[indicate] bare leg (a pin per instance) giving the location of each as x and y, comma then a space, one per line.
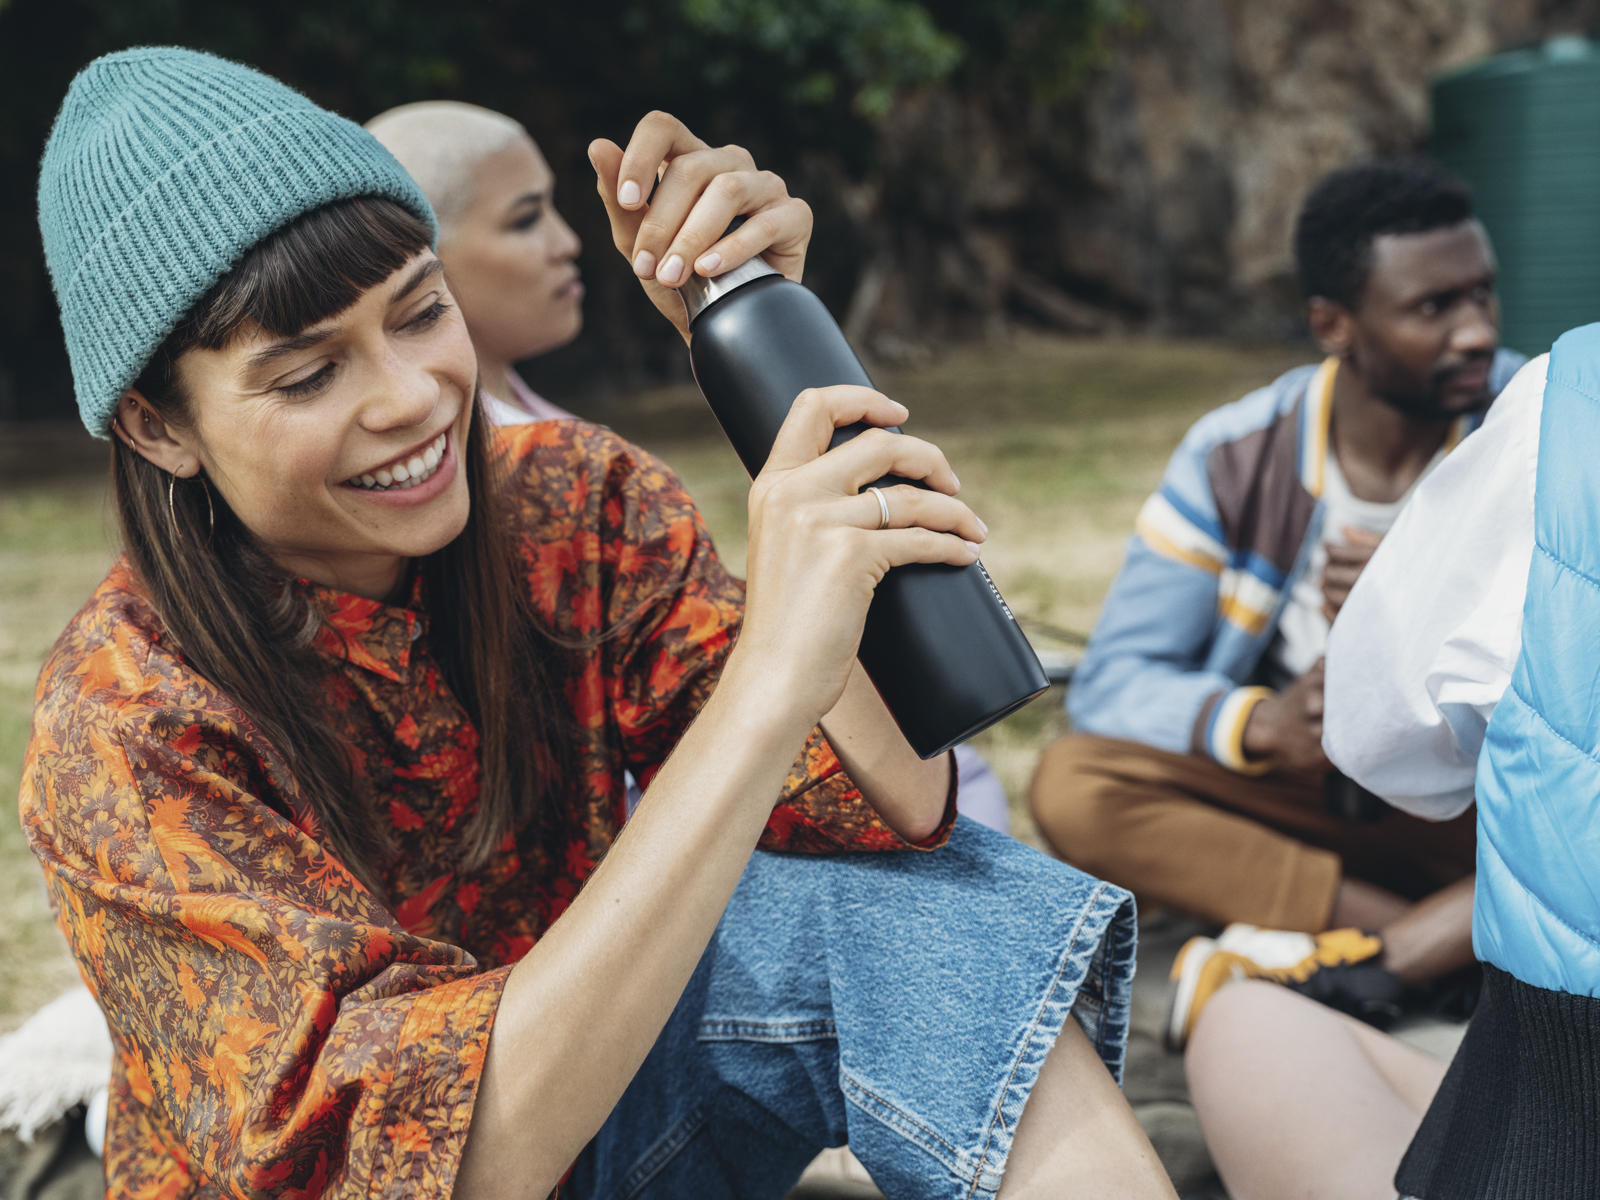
1433, 937
1362, 905
1298, 1100
1077, 1136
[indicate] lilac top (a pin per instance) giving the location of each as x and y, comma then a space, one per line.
523, 406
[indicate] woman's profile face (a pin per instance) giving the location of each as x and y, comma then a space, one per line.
512, 259
340, 447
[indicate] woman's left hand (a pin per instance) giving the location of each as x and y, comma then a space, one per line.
698, 191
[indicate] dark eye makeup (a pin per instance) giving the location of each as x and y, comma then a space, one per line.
313, 383
428, 316
308, 385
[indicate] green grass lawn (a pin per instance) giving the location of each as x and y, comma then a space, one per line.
1056, 442
53, 551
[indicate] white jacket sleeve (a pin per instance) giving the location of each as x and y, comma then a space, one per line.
1425, 645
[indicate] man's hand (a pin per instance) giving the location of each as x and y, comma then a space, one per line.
1287, 727
1345, 564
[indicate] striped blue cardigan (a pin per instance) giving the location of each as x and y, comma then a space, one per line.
1209, 568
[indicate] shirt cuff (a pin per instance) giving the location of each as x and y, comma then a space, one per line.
1223, 735
822, 812
415, 1145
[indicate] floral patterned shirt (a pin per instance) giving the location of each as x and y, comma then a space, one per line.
279, 1031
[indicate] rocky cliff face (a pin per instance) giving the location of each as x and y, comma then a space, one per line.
1161, 196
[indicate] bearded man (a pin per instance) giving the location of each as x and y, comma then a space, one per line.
1196, 776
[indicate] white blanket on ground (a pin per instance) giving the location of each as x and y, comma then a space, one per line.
59, 1059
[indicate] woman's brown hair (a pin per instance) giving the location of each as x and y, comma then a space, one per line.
249, 629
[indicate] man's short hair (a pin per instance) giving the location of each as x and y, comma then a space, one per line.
440, 142
1352, 206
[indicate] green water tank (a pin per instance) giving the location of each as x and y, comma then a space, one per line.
1524, 129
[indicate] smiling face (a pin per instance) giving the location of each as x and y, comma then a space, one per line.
338, 448
511, 258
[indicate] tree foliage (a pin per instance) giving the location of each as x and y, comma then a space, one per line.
802, 82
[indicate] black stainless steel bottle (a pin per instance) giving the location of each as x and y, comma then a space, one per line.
940, 645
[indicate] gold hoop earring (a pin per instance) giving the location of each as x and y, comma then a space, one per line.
211, 512
171, 512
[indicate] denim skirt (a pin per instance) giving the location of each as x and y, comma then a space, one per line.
902, 1003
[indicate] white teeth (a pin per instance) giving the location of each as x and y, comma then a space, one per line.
407, 474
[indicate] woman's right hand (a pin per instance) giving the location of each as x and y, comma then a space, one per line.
816, 552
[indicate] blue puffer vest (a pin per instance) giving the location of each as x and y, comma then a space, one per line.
1537, 909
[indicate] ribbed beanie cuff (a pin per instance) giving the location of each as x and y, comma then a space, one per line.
165, 166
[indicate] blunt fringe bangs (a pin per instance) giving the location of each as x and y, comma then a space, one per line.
251, 630
312, 269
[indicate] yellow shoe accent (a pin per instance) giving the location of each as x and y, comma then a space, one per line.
1192, 945
1333, 948
1205, 965
1199, 971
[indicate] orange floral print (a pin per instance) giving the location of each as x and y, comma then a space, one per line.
280, 1030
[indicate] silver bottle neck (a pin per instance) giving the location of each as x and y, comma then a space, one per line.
700, 293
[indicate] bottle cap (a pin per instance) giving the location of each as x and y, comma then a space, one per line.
699, 293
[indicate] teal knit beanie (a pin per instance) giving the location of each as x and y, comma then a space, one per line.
164, 168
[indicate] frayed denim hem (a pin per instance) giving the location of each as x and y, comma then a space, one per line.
901, 1003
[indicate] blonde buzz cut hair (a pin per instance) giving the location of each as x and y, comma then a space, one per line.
440, 142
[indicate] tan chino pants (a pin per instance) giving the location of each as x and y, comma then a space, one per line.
1184, 832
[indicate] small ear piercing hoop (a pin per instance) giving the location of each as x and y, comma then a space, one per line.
116, 422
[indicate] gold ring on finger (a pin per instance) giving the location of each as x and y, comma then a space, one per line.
883, 507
